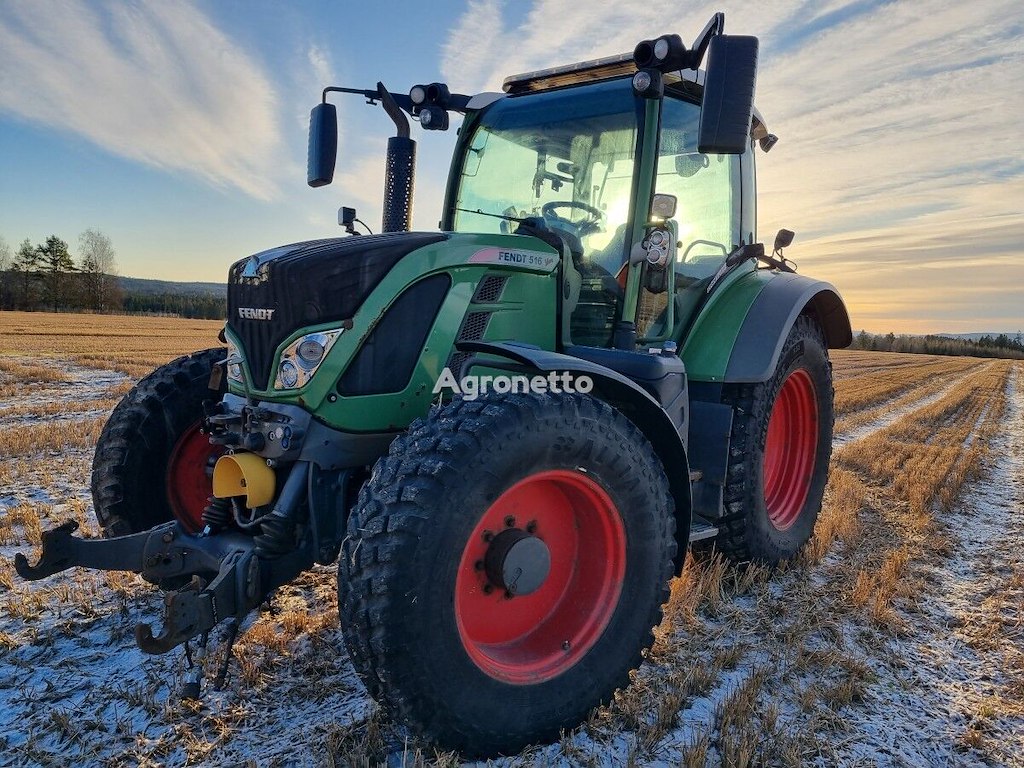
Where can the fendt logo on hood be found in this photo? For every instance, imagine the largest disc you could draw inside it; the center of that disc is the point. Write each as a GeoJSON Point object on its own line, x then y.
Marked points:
{"type": "Point", "coordinates": [255, 313]}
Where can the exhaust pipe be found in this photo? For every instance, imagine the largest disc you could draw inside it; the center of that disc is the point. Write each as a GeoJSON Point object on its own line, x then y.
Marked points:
{"type": "Point", "coordinates": [400, 169]}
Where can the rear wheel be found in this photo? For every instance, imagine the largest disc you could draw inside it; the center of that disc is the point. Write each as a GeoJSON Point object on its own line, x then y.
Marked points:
{"type": "Point", "coordinates": [779, 453]}
{"type": "Point", "coordinates": [152, 462]}
{"type": "Point", "coordinates": [504, 568]}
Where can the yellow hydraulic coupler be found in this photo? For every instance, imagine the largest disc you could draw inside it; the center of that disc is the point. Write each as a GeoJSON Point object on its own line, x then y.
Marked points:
{"type": "Point", "coordinates": [244, 474]}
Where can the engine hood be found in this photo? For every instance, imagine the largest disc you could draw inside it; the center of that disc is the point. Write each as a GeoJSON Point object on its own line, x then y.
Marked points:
{"type": "Point", "coordinates": [275, 292]}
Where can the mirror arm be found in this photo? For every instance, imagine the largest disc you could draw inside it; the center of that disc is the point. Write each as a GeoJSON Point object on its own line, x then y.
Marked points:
{"type": "Point", "coordinates": [700, 45]}
{"type": "Point", "coordinates": [372, 97]}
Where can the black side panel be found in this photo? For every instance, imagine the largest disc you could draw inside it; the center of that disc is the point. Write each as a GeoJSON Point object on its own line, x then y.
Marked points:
{"type": "Point", "coordinates": [710, 428]}
{"type": "Point", "coordinates": [387, 358]}
{"type": "Point", "coordinates": [664, 377]}
{"type": "Point", "coordinates": [770, 318]}
{"type": "Point", "coordinates": [306, 284]}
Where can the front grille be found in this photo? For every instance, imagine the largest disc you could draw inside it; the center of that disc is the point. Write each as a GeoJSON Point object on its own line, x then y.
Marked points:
{"type": "Point", "coordinates": [276, 292]}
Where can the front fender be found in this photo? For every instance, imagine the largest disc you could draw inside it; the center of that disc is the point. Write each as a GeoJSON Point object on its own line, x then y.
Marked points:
{"type": "Point", "coordinates": [629, 398]}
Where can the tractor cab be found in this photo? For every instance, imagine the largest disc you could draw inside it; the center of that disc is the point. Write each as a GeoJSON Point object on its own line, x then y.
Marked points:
{"type": "Point", "coordinates": [577, 161]}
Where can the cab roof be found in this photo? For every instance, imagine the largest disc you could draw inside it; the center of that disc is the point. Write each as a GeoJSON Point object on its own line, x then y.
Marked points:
{"type": "Point", "coordinates": [607, 68]}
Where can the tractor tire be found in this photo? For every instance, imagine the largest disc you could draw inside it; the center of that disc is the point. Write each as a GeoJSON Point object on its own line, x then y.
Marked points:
{"type": "Point", "coordinates": [779, 452]}
{"type": "Point", "coordinates": [152, 462]}
{"type": "Point", "coordinates": [504, 567]}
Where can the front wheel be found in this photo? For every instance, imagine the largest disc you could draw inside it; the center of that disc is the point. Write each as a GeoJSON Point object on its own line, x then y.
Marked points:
{"type": "Point", "coordinates": [153, 463]}
{"type": "Point", "coordinates": [504, 568]}
{"type": "Point", "coordinates": [779, 452]}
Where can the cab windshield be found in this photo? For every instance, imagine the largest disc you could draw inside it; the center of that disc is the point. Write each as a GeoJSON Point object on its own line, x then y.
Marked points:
{"type": "Point", "coordinates": [567, 156]}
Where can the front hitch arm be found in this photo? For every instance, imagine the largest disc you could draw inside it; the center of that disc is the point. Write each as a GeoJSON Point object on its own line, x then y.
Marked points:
{"type": "Point", "coordinates": [244, 581]}
{"type": "Point", "coordinates": [197, 607]}
{"type": "Point", "coordinates": [228, 578]}
{"type": "Point", "coordinates": [61, 551]}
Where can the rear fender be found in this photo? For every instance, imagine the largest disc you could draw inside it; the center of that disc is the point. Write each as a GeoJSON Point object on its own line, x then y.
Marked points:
{"type": "Point", "coordinates": [771, 317]}
{"type": "Point", "coordinates": [738, 336]}
{"type": "Point", "coordinates": [629, 398]}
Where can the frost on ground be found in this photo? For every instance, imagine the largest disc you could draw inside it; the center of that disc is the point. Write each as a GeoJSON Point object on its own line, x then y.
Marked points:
{"type": "Point", "coordinates": [957, 679]}
{"type": "Point", "coordinates": [853, 655]}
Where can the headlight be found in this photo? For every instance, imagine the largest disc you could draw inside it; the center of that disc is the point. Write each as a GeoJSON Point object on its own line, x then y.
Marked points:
{"type": "Point", "coordinates": [234, 365]}
{"type": "Point", "coordinates": [302, 357]}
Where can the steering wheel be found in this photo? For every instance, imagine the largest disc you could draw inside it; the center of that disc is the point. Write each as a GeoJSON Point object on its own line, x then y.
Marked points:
{"type": "Point", "coordinates": [584, 228]}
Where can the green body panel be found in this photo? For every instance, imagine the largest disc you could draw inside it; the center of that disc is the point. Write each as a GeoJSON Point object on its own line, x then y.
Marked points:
{"type": "Point", "coordinates": [712, 336]}
{"type": "Point", "coordinates": [526, 312]}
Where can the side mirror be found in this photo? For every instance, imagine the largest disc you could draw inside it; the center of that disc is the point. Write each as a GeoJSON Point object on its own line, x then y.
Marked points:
{"type": "Point", "coordinates": [323, 145]}
{"type": "Point", "coordinates": [783, 239]}
{"type": "Point", "coordinates": [728, 104]}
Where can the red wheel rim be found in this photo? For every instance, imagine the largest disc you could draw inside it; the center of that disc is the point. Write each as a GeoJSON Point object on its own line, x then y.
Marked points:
{"type": "Point", "coordinates": [790, 449]}
{"type": "Point", "coordinates": [532, 638]}
{"type": "Point", "coordinates": [190, 476]}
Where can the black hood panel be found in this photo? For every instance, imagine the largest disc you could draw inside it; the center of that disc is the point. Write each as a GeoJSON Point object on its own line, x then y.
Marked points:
{"type": "Point", "coordinates": [275, 292]}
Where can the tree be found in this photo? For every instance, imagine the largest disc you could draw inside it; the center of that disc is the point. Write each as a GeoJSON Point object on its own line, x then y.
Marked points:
{"type": "Point", "coordinates": [6, 261]}
{"type": "Point", "coordinates": [26, 264]}
{"type": "Point", "coordinates": [56, 263]}
{"type": "Point", "coordinates": [99, 270]}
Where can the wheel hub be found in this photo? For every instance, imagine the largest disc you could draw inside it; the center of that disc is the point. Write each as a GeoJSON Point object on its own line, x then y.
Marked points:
{"type": "Point", "coordinates": [517, 562]}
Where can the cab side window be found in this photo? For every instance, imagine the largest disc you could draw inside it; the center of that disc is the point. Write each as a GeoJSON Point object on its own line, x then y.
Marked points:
{"type": "Point", "coordinates": [706, 187]}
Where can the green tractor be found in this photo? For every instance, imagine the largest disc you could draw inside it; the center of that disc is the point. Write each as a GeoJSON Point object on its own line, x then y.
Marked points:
{"type": "Point", "coordinates": [506, 432]}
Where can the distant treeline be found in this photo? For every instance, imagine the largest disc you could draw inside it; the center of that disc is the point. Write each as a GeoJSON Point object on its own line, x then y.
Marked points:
{"type": "Point", "coordinates": [77, 292]}
{"type": "Point", "coordinates": [47, 277]}
{"type": "Point", "coordinates": [1001, 345]}
{"type": "Point", "coordinates": [184, 305]}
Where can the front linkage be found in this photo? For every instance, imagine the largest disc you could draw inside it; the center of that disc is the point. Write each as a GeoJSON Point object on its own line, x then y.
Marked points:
{"type": "Point", "coordinates": [209, 577]}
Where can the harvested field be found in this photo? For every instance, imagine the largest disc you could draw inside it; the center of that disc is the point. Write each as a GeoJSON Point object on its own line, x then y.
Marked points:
{"type": "Point", "coordinates": [133, 346]}
{"type": "Point", "coordinates": [896, 638]}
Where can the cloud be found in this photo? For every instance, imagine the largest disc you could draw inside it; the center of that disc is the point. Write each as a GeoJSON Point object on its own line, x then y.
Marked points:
{"type": "Point", "coordinates": [899, 127]}
{"type": "Point", "coordinates": [150, 81]}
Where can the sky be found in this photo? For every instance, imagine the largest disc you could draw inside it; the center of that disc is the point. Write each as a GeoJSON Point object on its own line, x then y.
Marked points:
{"type": "Point", "coordinates": [179, 128]}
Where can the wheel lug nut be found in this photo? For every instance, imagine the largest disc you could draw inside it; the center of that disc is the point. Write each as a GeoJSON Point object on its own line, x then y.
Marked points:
{"type": "Point", "coordinates": [566, 645]}
{"type": "Point", "coordinates": [488, 535]}
{"type": "Point", "coordinates": [508, 595]}
{"type": "Point", "coordinates": [531, 527]}
{"type": "Point", "coordinates": [510, 521]}
{"type": "Point", "coordinates": [488, 589]}
{"type": "Point", "coordinates": [479, 565]}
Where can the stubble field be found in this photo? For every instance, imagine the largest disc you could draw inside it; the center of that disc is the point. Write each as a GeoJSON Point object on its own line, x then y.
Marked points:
{"type": "Point", "coordinates": [896, 638]}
